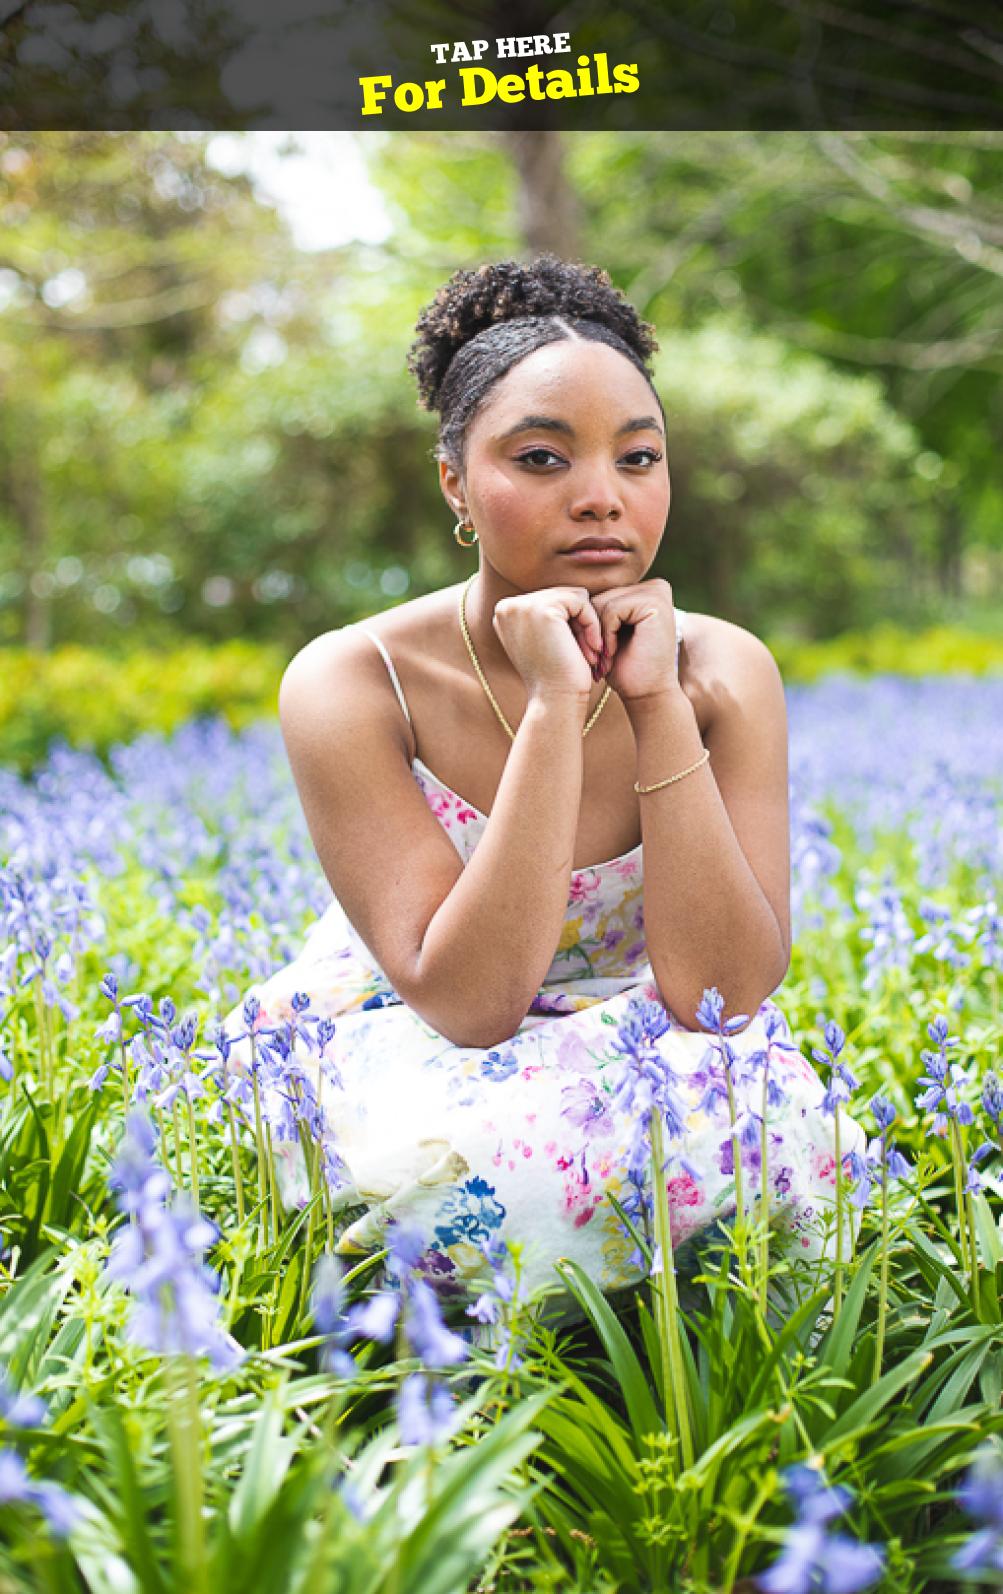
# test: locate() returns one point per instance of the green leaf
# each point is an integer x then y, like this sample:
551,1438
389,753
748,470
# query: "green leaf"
862,1412
838,1341
636,1391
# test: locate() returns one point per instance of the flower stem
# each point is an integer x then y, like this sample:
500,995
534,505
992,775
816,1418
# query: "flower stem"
668,1301
193,1155
183,1421
736,1159
238,1177
764,1195
879,1343
959,1198
837,1297
262,1165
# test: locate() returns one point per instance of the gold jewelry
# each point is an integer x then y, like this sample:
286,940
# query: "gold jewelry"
464,525
660,783
481,677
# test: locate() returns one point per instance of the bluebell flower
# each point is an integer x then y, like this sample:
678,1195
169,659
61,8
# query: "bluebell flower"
812,1557
992,1098
20,1410
158,1257
710,1014
375,1318
426,1414
981,1496
17,1488
974,1182
437,1345
327,1305
944,1080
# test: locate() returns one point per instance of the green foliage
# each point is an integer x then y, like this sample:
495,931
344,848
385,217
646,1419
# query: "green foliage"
88,697
207,430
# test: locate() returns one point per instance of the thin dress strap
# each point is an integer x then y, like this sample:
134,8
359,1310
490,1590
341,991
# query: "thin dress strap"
388,661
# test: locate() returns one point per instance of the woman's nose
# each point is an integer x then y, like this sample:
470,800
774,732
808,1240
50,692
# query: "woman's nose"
598,499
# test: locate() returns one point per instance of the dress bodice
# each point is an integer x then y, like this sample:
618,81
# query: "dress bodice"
602,948
603,933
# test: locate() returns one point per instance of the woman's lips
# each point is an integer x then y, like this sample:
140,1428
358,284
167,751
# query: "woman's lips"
596,556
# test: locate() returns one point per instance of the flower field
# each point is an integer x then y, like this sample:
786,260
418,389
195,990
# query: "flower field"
197,1393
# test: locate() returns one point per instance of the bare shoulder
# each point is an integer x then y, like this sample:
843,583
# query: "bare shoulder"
340,676
723,665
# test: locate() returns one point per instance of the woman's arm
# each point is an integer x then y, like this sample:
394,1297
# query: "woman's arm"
467,947
716,844
489,945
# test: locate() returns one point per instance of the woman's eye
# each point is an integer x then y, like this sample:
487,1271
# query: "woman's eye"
644,456
533,456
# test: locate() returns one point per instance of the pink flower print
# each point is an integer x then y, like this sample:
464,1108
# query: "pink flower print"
683,1191
437,801
824,1167
583,884
580,1196
685,1201
587,1109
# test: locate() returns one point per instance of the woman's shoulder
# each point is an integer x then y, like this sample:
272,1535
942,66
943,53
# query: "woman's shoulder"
720,660
408,625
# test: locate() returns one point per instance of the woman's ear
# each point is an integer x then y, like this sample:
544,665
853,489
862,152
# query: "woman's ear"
451,483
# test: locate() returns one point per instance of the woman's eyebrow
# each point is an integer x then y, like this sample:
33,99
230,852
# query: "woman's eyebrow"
550,423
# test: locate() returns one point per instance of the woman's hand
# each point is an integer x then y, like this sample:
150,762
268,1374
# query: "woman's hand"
638,655
553,638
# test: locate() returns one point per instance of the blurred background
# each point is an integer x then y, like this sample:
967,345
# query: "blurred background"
209,440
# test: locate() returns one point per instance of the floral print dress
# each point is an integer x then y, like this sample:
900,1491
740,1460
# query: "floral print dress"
522,1141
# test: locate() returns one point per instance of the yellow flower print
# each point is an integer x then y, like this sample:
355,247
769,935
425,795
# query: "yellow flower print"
570,935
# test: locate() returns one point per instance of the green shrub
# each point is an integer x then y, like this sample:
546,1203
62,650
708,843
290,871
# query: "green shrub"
91,699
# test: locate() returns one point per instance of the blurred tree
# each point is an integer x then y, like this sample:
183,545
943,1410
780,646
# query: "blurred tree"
206,431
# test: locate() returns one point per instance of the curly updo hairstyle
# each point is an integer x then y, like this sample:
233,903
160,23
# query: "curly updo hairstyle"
481,323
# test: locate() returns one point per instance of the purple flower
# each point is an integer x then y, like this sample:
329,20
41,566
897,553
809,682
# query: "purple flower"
16,1488
974,1183
158,1256
944,1080
21,1411
426,1414
710,1012
437,1345
992,1098
811,1557
981,1495
375,1318
327,1304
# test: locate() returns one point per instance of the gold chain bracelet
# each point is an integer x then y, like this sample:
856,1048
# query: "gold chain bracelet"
660,783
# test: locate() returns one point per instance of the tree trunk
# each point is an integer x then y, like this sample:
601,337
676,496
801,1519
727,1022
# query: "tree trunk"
25,497
548,205
949,554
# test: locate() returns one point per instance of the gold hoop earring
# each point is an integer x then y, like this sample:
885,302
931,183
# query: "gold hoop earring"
464,525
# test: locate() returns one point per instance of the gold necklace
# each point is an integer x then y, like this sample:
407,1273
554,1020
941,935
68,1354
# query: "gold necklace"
481,677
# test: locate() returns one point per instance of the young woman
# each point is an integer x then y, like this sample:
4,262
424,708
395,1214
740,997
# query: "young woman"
549,803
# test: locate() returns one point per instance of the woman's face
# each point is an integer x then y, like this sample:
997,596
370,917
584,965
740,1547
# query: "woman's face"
569,444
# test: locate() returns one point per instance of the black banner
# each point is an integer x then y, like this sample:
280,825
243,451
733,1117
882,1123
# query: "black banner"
421,65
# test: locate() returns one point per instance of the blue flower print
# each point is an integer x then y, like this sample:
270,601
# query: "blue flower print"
471,1212
500,1065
